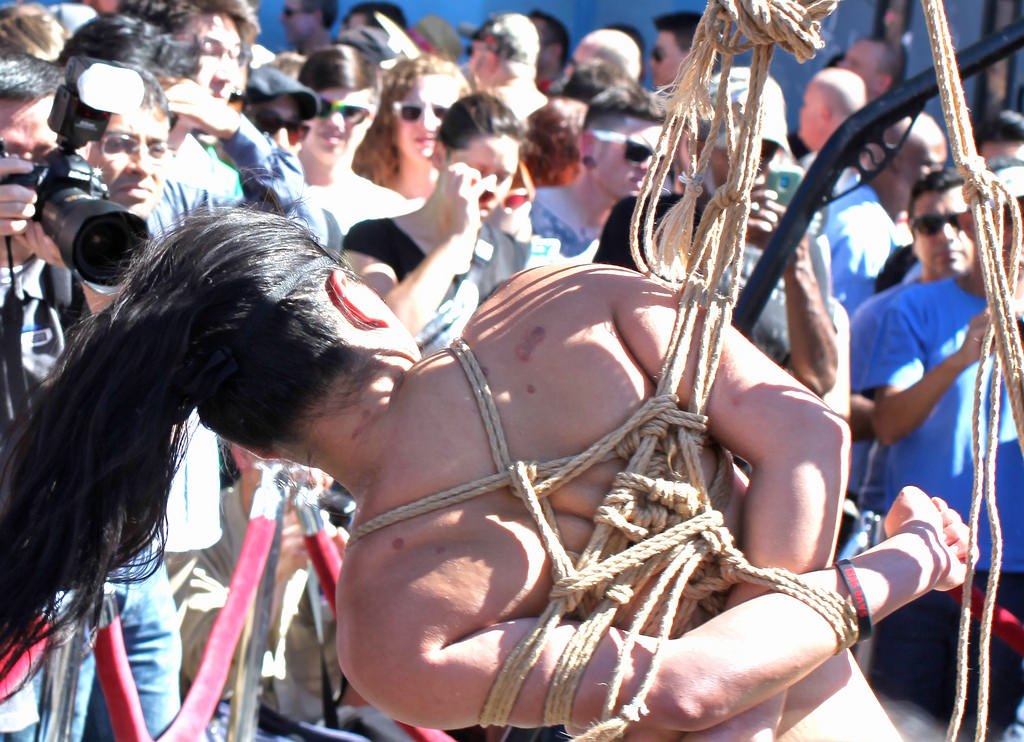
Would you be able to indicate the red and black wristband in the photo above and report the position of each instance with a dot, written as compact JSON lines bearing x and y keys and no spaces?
{"x":860,"y":603}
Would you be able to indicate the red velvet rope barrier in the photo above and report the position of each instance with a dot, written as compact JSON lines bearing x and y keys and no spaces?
{"x":205,"y":693}
{"x":25,"y":665}
{"x":116,"y":680}
{"x":323,"y":553}
{"x":197,"y":710}
{"x":1005,"y":625}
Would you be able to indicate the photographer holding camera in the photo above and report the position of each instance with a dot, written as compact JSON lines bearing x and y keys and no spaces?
{"x":40,"y":300}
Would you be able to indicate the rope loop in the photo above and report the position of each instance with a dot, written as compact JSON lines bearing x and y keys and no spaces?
{"x":980,"y":184}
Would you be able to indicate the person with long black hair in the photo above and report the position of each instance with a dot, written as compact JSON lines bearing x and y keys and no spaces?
{"x":241,"y":316}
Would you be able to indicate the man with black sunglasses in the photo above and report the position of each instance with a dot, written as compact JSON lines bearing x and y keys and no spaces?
{"x":616,"y":144}
{"x":923,"y":371}
{"x":280,"y":106}
{"x":941,"y":249}
{"x":671,"y":46}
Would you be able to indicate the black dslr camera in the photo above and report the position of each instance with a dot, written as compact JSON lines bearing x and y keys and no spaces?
{"x":95,"y":236}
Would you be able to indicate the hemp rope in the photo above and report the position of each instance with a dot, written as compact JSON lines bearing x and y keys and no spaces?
{"x":660,"y":547}
{"x":989,"y":200}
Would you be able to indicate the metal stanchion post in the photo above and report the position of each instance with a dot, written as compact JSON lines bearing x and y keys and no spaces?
{"x":60,"y":684}
{"x":268,"y":502}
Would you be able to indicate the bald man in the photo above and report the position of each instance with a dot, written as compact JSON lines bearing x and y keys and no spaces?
{"x":862,"y":224}
{"x":611,"y":46}
{"x":830,"y":98}
{"x":877,"y":62}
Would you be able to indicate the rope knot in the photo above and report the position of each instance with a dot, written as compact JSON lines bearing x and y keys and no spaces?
{"x":979,"y":182}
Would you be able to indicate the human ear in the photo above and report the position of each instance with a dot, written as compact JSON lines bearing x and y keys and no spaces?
{"x":338,"y":288}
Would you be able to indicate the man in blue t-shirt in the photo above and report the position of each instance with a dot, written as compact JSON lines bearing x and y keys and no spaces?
{"x":923,"y":371}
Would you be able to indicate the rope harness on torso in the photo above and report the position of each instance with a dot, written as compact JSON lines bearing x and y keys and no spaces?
{"x":660,"y":558}
{"x":659,"y":537}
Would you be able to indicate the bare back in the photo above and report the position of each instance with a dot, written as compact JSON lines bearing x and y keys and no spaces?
{"x":569,"y":355}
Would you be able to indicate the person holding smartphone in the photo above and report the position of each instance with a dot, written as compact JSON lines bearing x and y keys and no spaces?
{"x":435,"y":265}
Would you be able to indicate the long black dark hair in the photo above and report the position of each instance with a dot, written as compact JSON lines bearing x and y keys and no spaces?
{"x":201,"y":323}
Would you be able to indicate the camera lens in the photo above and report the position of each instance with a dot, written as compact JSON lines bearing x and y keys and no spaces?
{"x":95,"y":236}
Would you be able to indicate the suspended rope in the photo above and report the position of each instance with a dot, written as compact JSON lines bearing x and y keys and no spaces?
{"x":989,"y":201}
{"x":660,"y":558}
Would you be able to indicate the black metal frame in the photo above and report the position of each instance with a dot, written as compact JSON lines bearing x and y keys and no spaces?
{"x":857,"y":144}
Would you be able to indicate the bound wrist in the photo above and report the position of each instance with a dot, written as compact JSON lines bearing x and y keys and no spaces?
{"x":848,"y":576}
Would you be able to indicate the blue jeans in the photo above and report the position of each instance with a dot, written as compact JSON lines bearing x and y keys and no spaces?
{"x":153,"y":644}
{"x":150,"y":624}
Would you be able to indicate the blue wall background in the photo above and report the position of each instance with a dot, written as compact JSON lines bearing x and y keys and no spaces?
{"x":579,"y":16}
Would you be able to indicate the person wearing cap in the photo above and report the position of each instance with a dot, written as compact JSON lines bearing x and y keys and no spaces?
{"x":365,"y":14}
{"x":924,"y":370}
{"x":307,"y":23}
{"x":346,"y":84}
{"x":620,"y":130}
{"x":280,"y":106}
{"x":434,"y":35}
{"x":503,"y":62}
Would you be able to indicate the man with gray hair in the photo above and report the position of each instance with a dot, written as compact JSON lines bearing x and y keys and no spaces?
{"x":503,"y":62}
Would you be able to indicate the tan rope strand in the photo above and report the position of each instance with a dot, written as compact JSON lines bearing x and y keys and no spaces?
{"x":986,"y":197}
{"x":988,"y":609}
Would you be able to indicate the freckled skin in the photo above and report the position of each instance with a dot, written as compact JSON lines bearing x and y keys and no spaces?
{"x":524,"y":351}
{"x":530,"y":389}
{"x":398,"y":544}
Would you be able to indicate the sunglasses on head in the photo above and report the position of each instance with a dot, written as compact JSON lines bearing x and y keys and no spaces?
{"x":635,"y":151}
{"x":931,"y":224}
{"x":414,"y":111}
{"x":270,"y":122}
{"x":353,"y":115}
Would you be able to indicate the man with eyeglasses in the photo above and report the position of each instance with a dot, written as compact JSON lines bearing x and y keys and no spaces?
{"x":923,"y":371}
{"x":40,"y":294}
{"x":671,"y":46}
{"x":307,"y":23}
{"x":616,"y":145}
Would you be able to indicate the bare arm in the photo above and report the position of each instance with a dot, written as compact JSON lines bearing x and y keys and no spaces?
{"x":898,"y":412}
{"x":813,"y":347}
{"x":734,"y":661}
{"x":454,"y":210}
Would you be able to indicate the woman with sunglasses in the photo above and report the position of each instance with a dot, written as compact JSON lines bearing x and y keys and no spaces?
{"x":434,"y":266}
{"x":347,"y":86}
{"x":398,"y":150}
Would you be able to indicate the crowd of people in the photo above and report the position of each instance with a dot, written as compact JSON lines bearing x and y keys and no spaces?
{"x":429,"y":166}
